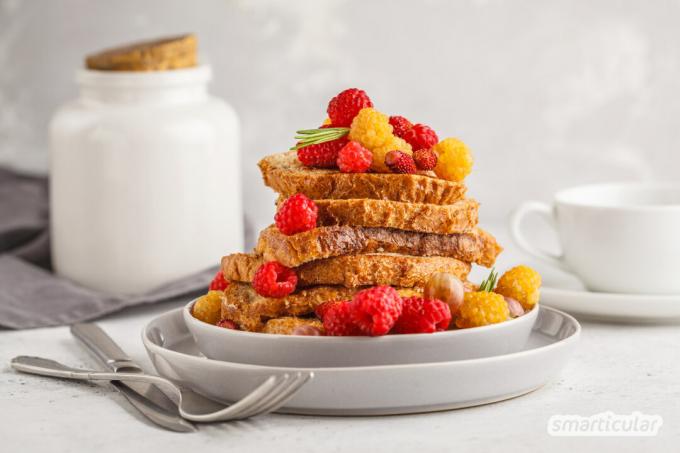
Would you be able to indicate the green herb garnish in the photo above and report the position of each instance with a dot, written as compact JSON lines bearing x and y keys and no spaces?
{"x":490,"y":282}
{"x":308,"y":137}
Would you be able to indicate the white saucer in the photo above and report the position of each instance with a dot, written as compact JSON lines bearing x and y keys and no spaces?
{"x":373,"y":390}
{"x":612,"y":307}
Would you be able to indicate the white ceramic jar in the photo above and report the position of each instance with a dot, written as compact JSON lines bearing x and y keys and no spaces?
{"x":145,"y":180}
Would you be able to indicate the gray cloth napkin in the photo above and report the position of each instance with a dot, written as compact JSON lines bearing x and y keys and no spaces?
{"x":30,"y":294}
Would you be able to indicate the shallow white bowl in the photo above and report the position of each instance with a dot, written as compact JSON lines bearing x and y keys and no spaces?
{"x":306,"y":351}
{"x":372,"y":390}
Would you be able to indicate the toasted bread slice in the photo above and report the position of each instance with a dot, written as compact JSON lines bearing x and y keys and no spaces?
{"x":288,"y":324}
{"x":475,"y":246}
{"x":424,"y":217}
{"x":250,"y":311}
{"x":287,"y":176}
{"x":354,"y":270}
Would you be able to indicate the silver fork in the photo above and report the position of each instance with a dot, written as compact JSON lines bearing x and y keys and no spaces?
{"x":269,"y":396}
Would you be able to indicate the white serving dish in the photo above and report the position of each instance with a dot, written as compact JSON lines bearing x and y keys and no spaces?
{"x":373,"y":390}
{"x":306,"y":351}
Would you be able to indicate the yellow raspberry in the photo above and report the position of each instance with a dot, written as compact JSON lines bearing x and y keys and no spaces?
{"x":521,"y":283}
{"x":370,"y":128}
{"x":393,"y":143}
{"x":481,"y":308}
{"x":208,"y":308}
{"x":454,"y":160}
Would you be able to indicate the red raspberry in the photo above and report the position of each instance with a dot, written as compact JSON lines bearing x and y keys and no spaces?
{"x":421,"y":136}
{"x":400,"y":162}
{"x":400,"y":125}
{"x":273,"y":279}
{"x":344,"y":107}
{"x":354,"y":158}
{"x":227,"y":324}
{"x":322,"y":155}
{"x":219,"y":283}
{"x":297,"y":214}
{"x":375,"y":310}
{"x":423,"y":316}
{"x":322,"y":308}
{"x":337,"y":319}
{"x":426,"y":159}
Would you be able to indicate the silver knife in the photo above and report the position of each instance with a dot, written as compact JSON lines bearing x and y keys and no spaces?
{"x":146,"y":398}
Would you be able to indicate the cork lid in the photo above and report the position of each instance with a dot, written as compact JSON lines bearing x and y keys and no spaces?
{"x":161,"y":54}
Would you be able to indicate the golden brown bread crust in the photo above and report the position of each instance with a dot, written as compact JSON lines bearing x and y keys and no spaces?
{"x":160,"y":54}
{"x":288,"y":324}
{"x":354,"y":270}
{"x":475,"y":246}
{"x":287,"y":176}
{"x":425,"y":217}
{"x":250,"y":311}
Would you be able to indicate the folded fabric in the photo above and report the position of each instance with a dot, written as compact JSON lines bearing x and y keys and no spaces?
{"x":30,"y":294}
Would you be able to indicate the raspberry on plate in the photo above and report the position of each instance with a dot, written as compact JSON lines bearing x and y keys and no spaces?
{"x":375,"y":310}
{"x":521,"y":283}
{"x":394,"y":143}
{"x":322,"y":308}
{"x":425,"y":159}
{"x":370,"y":128}
{"x":400,"y":125}
{"x":297,"y":214}
{"x":273,"y":279}
{"x":219,"y":283}
{"x":321,"y":155}
{"x":227,"y":324}
{"x":423,"y":316}
{"x":208,"y":307}
{"x":481,"y":308}
{"x":345,"y":106}
{"x":354,"y":158}
{"x":399,"y":162}
{"x":337,"y":319}
{"x":421,"y":136}
{"x":454,"y":162}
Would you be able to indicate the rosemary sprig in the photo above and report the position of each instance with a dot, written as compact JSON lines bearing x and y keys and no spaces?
{"x":308,"y":137}
{"x":490,"y":282}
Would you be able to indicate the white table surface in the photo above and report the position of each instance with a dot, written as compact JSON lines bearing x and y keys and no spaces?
{"x":621,"y":368}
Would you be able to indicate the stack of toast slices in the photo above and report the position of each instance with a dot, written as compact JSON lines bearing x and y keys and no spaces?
{"x":372,"y":229}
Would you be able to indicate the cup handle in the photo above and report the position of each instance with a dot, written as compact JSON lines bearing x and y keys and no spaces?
{"x":546,"y":212}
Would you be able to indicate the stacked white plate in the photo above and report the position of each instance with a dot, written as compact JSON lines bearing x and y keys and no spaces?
{"x":394,"y":374}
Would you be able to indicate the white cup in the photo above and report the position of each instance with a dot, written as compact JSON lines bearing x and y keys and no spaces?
{"x":621,"y":238}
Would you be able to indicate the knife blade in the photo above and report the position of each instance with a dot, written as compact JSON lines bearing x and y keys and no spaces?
{"x":147,"y":398}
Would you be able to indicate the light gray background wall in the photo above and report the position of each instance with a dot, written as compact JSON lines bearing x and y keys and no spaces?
{"x":547,"y":94}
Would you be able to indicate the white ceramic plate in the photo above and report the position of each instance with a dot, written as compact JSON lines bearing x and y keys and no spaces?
{"x":306,"y":351}
{"x":373,"y":390}
{"x":612,"y":307}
